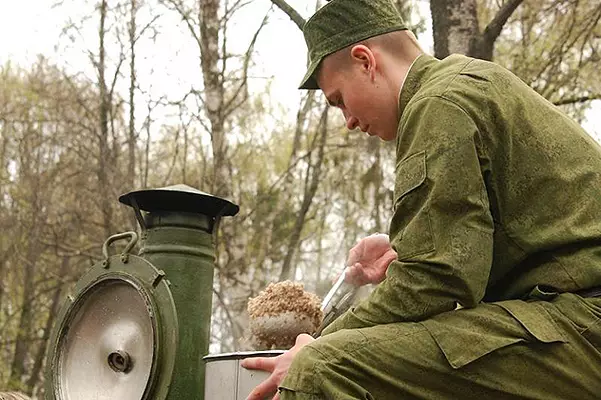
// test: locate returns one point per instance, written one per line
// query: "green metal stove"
(137, 326)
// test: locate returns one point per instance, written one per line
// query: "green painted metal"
(151, 284)
(178, 224)
(186, 254)
(172, 280)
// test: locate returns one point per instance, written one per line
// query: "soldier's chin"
(388, 138)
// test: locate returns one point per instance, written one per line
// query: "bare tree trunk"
(147, 150)
(22, 341)
(456, 29)
(2, 281)
(3, 261)
(18, 368)
(312, 183)
(302, 116)
(52, 312)
(131, 140)
(454, 26)
(185, 156)
(4, 223)
(103, 150)
(483, 46)
(213, 84)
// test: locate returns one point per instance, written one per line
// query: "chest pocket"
(410, 228)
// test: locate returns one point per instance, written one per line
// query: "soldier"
(488, 287)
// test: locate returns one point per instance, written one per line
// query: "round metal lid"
(109, 345)
(181, 198)
(116, 336)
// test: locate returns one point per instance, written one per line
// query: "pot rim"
(239, 355)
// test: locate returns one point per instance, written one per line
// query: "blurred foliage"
(555, 47)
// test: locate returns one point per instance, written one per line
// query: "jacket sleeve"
(441, 229)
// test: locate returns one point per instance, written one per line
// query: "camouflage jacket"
(497, 196)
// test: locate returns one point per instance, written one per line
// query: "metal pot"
(226, 379)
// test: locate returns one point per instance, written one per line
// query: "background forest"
(102, 114)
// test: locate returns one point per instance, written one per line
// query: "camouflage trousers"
(488, 352)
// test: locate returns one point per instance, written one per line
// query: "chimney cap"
(182, 198)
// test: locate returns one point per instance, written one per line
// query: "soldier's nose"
(352, 123)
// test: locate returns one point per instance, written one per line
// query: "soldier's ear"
(363, 57)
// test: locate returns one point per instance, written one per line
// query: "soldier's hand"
(278, 366)
(368, 260)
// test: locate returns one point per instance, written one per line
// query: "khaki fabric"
(403, 360)
(497, 195)
(497, 208)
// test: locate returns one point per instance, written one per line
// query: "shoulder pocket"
(410, 225)
(410, 174)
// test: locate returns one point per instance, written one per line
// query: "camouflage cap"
(341, 23)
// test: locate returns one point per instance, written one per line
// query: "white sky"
(31, 27)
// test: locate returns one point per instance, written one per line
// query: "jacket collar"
(418, 72)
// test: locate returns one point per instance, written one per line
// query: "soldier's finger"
(264, 389)
(262, 363)
(355, 254)
(356, 275)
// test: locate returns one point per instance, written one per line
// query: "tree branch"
(494, 28)
(312, 180)
(291, 12)
(230, 319)
(581, 99)
(147, 26)
(185, 15)
(228, 109)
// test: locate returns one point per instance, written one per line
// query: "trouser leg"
(403, 361)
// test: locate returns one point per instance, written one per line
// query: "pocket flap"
(410, 173)
(466, 335)
(537, 321)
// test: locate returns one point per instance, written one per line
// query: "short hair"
(396, 43)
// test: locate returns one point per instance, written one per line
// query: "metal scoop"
(336, 302)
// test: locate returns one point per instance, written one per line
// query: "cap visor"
(309, 81)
